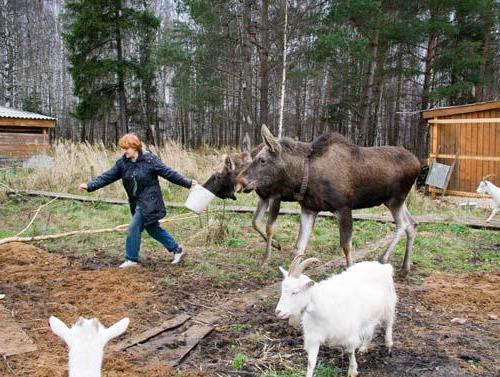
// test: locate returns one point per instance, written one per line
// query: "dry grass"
(74, 163)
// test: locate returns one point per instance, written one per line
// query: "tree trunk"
(247, 66)
(264, 64)
(283, 74)
(122, 96)
(368, 92)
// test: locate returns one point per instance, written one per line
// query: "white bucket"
(199, 198)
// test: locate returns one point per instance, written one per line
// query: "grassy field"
(225, 252)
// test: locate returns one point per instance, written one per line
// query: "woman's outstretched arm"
(105, 178)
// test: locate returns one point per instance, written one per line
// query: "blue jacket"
(140, 180)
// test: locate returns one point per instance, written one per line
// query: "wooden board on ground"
(140, 338)
(494, 224)
(13, 339)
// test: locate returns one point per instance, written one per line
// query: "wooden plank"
(480, 147)
(435, 139)
(462, 109)
(27, 122)
(22, 138)
(283, 211)
(140, 338)
(463, 121)
(190, 338)
(13, 339)
(21, 148)
(67, 196)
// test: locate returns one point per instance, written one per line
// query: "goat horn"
(307, 262)
(295, 266)
(488, 176)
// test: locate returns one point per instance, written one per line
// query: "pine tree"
(96, 32)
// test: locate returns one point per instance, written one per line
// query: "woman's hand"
(83, 186)
(193, 183)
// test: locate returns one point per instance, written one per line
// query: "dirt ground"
(38, 284)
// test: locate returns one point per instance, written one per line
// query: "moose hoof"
(405, 271)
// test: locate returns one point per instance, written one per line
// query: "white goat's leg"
(493, 213)
(307, 219)
(411, 225)
(312, 350)
(353, 365)
(398, 213)
(388, 332)
(274, 210)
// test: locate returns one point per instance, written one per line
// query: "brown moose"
(330, 174)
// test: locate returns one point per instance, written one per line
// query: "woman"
(139, 172)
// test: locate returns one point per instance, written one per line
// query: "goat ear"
(228, 161)
(269, 139)
(59, 328)
(304, 288)
(246, 143)
(116, 330)
(309, 284)
(284, 272)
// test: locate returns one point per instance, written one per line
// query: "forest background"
(205, 72)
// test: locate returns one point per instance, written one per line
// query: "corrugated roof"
(8, 112)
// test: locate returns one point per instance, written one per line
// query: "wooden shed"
(23, 134)
(471, 135)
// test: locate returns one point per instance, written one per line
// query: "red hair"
(130, 141)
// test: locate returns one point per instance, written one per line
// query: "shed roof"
(461, 109)
(8, 112)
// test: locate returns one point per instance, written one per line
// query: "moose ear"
(246, 143)
(228, 161)
(269, 139)
(246, 158)
(284, 272)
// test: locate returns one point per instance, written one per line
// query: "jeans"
(135, 228)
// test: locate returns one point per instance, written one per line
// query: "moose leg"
(257, 218)
(307, 219)
(401, 220)
(274, 210)
(410, 238)
(345, 229)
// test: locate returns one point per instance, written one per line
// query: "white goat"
(342, 310)
(486, 187)
(86, 340)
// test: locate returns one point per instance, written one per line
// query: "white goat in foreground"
(486, 187)
(342, 310)
(86, 340)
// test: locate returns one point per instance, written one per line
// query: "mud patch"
(469, 296)
(38, 284)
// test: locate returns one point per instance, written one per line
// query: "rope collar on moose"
(305, 181)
